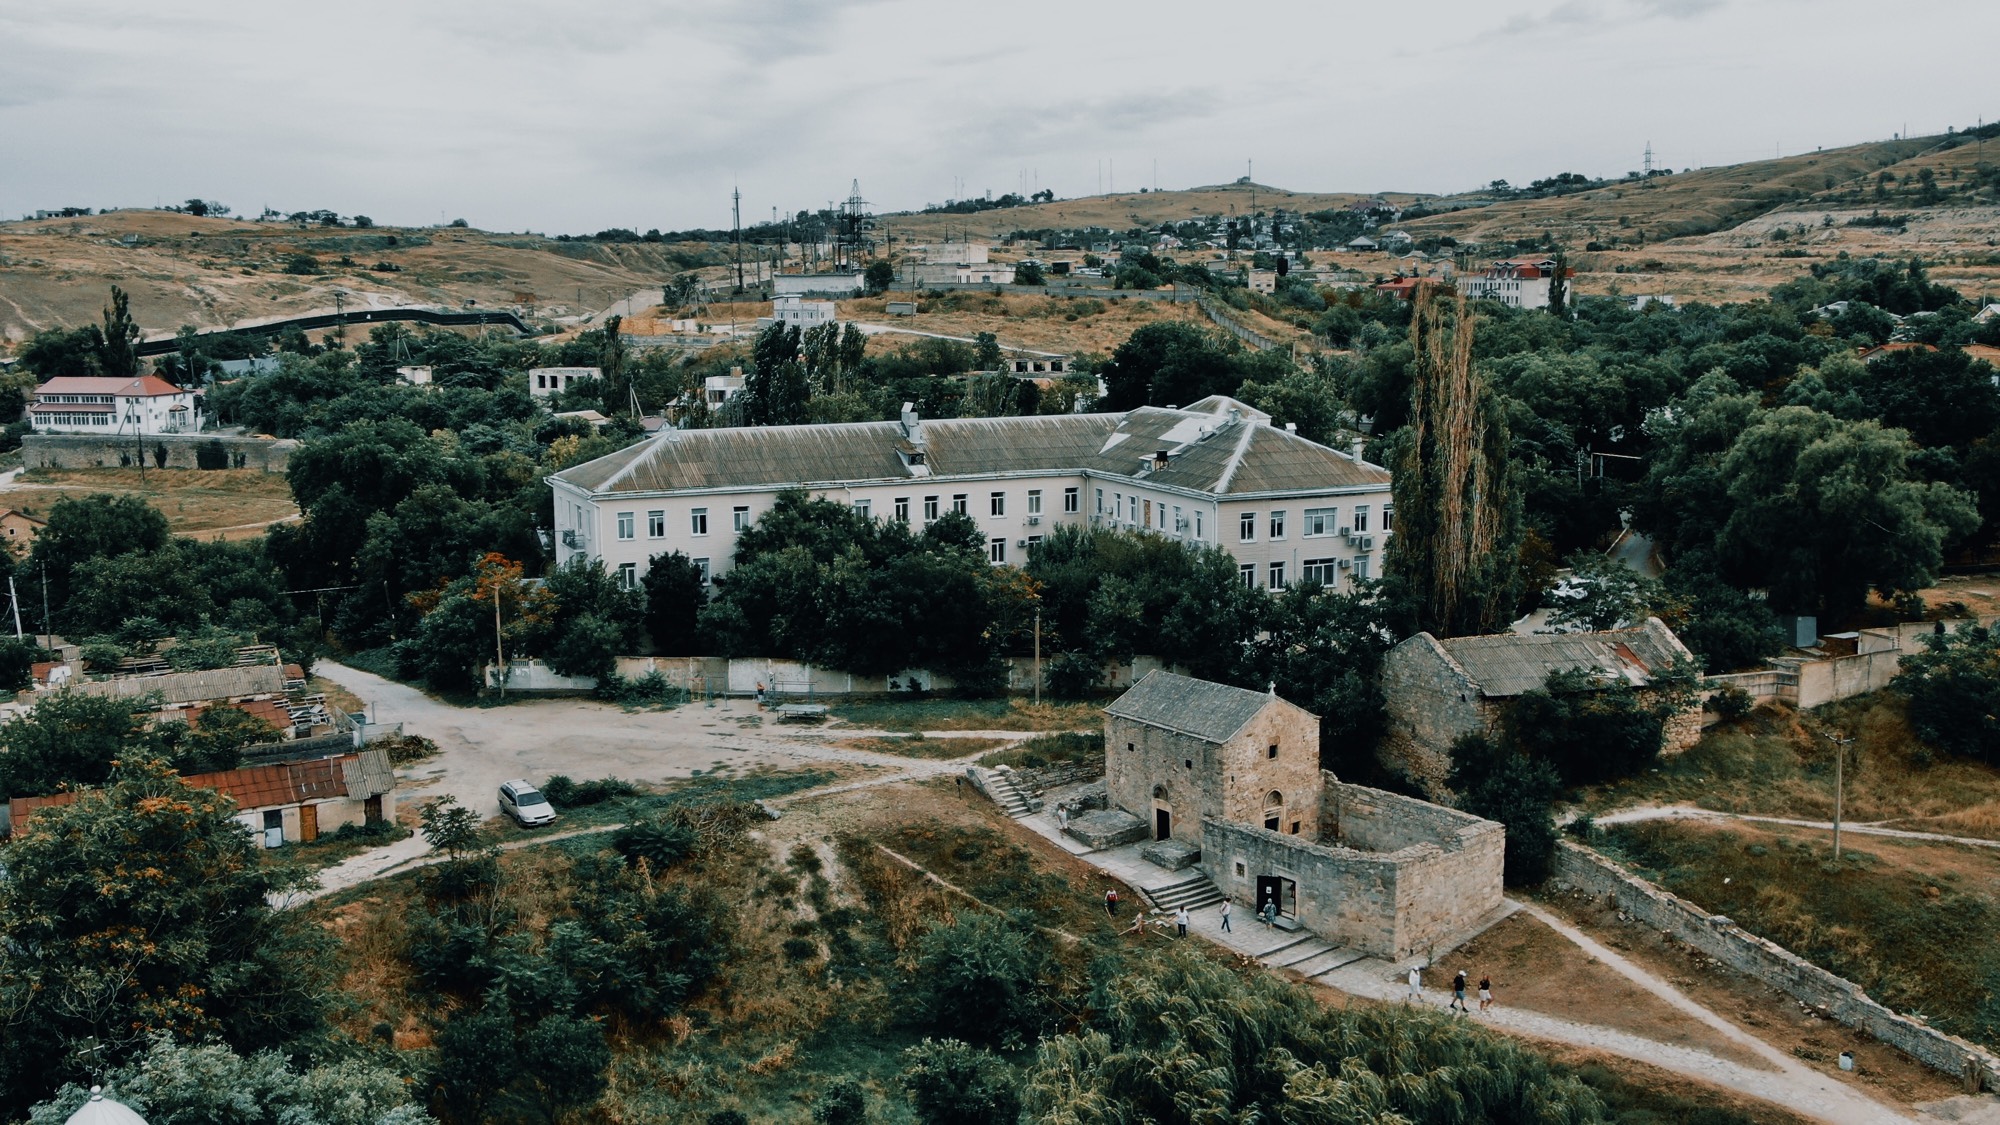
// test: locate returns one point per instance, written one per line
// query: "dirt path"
(1869, 828)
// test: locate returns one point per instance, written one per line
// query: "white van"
(522, 801)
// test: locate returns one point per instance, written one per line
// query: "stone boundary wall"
(97, 451)
(1036, 780)
(1718, 937)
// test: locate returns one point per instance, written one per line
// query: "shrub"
(566, 793)
(1073, 675)
(1730, 703)
(950, 1082)
(976, 975)
(1954, 691)
(662, 843)
(843, 1102)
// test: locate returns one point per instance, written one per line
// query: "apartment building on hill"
(1216, 472)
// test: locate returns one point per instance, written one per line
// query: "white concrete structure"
(1214, 473)
(416, 375)
(91, 404)
(1519, 283)
(718, 389)
(816, 284)
(546, 381)
(961, 263)
(797, 312)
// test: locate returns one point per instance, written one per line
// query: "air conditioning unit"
(1365, 543)
(1020, 542)
(1343, 564)
(1347, 532)
(1034, 521)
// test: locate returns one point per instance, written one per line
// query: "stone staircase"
(1193, 891)
(1306, 953)
(1005, 793)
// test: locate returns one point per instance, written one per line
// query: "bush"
(662, 843)
(843, 1102)
(976, 976)
(1730, 703)
(1954, 691)
(949, 1082)
(1073, 675)
(566, 793)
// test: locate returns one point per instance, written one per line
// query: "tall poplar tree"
(1456, 547)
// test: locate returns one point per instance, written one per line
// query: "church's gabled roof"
(1200, 709)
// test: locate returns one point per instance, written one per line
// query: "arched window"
(1274, 809)
(1159, 792)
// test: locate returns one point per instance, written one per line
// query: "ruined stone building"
(1437, 691)
(1229, 781)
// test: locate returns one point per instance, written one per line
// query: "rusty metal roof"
(1507, 664)
(366, 774)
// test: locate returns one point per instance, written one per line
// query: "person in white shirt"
(1181, 920)
(1416, 995)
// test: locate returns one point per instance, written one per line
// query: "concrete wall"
(1581, 869)
(93, 451)
(1430, 893)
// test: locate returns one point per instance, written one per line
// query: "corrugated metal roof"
(1211, 450)
(1203, 709)
(264, 787)
(1507, 664)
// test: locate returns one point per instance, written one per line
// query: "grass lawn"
(1917, 925)
(333, 847)
(1049, 750)
(1775, 763)
(203, 503)
(968, 714)
(917, 746)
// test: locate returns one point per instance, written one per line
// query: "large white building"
(546, 382)
(1521, 283)
(1216, 473)
(961, 263)
(798, 312)
(95, 404)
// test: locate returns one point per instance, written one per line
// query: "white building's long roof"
(1227, 450)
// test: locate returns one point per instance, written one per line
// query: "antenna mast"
(736, 231)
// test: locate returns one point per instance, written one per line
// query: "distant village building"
(816, 285)
(238, 368)
(1521, 283)
(93, 404)
(719, 389)
(798, 312)
(961, 263)
(416, 375)
(544, 382)
(1216, 472)
(1362, 244)
(18, 530)
(1437, 691)
(1263, 281)
(1228, 781)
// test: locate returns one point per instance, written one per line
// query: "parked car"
(525, 803)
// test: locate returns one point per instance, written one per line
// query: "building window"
(628, 576)
(624, 525)
(1361, 568)
(1034, 501)
(996, 504)
(1117, 506)
(996, 550)
(1197, 525)
(1239, 870)
(701, 565)
(740, 516)
(1032, 541)
(698, 521)
(1246, 527)
(1248, 571)
(861, 508)
(1319, 572)
(1360, 518)
(1100, 501)
(902, 509)
(1277, 525)
(1180, 524)
(1321, 521)
(958, 504)
(1271, 751)
(1388, 517)
(656, 525)
(930, 508)
(1277, 576)
(1072, 500)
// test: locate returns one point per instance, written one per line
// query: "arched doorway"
(1163, 814)
(1274, 810)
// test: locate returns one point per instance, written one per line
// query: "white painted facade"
(146, 405)
(798, 312)
(544, 382)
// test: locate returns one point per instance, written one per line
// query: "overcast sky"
(576, 116)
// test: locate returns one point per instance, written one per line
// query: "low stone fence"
(1718, 937)
(167, 451)
(1037, 780)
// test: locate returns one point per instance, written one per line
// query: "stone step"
(1194, 893)
(1302, 954)
(1341, 959)
(1265, 955)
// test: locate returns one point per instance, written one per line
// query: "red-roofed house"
(89, 404)
(285, 801)
(1521, 283)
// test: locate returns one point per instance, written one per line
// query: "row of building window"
(82, 399)
(628, 573)
(1317, 523)
(1313, 572)
(656, 520)
(45, 418)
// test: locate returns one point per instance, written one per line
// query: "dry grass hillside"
(1122, 211)
(213, 273)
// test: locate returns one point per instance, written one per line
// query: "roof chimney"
(1291, 427)
(913, 426)
(1160, 459)
(1356, 451)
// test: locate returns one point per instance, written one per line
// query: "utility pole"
(14, 598)
(1038, 656)
(1840, 746)
(736, 229)
(48, 631)
(499, 654)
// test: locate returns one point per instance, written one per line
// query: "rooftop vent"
(1160, 459)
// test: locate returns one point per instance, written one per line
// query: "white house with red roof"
(90, 404)
(1521, 283)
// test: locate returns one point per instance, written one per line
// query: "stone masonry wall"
(93, 451)
(1428, 703)
(1036, 780)
(1843, 1000)
(1250, 774)
(1139, 758)
(1344, 895)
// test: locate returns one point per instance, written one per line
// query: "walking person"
(1062, 818)
(1225, 916)
(760, 695)
(1416, 995)
(1181, 920)
(1458, 994)
(1138, 924)
(1485, 992)
(1270, 912)
(1111, 902)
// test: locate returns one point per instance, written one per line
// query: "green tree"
(1498, 782)
(92, 527)
(1601, 592)
(879, 276)
(592, 621)
(676, 589)
(1953, 688)
(986, 352)
(144, 909)
(117, 356)
(1456, 548)
(67, 740)
(978, 975)
(1029, 273)
(776, 390)
(217, 737)
(173, 1082)
(1821, 509)
(949, 1082)
(1170, 362)
(64, 351)
(1323, 649)
(476, 1060)
(1593, 731)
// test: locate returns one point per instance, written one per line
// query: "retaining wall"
(1722, 939)
(97, 451)
(1036, 780)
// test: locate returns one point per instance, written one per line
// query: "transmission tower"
(851, 241)
(1649, 160)
(736, 232)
